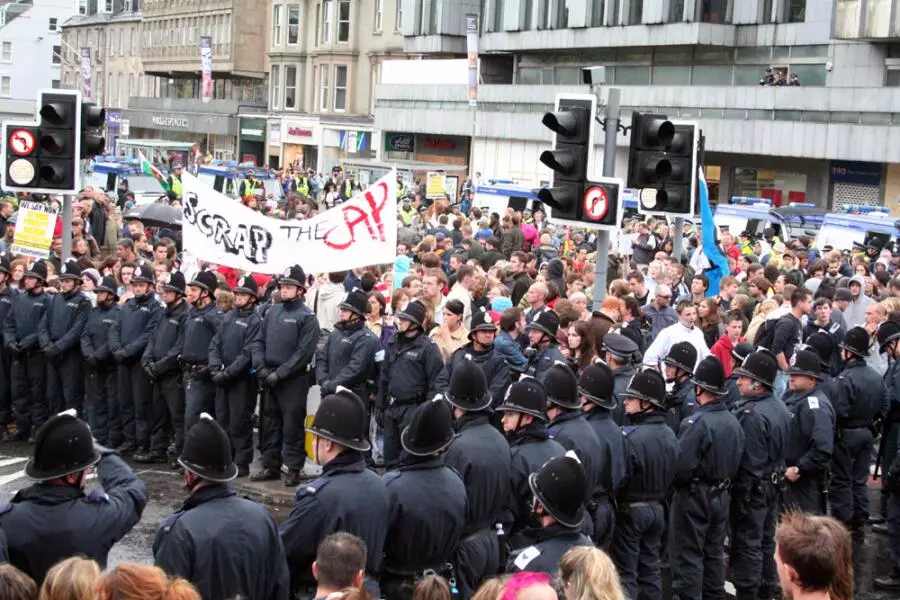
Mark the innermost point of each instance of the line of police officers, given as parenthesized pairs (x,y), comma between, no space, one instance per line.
(599,459)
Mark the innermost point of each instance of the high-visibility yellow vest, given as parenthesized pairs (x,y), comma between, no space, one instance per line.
(176,186)
(250,186)
(302,185)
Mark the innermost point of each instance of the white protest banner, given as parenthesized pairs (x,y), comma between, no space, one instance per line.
(362,231)
(35,223)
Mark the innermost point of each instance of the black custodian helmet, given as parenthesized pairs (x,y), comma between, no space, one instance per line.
(760,366)
(857,342)
(805,362)
(207,451)
(63,445)
(357,301)
(560,486)
(647,385)
(545,321)
(526,396)
(341,418)
(247,285)
(562,386)
(430,429)
(596,384)
(682,355)
(887,333)
(710,375)
(468,387)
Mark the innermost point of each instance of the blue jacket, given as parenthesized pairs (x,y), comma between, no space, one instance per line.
(508,348)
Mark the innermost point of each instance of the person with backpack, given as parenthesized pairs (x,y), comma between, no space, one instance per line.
(781,336)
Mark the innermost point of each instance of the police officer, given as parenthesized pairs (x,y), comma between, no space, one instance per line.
(29,364)
(569,427)
(128,338)
(823,345)
(739,353)
(524,419)
(227,546)
(888,336)
(160,362)
(811,442)
(651,452)
(54,518)
(754,497)
(481,455)
(174,181)
(348,356)
(543,350)
(558,488)
(620,352)
(678,367)
(101,384)
(300,184)
(7,295)
(347,497)
(231,361)
(420,488)
(408,376)
(203,321)
(858,398)
(480,349)
(710,445)
(348,187)
(250,185)
(595,386)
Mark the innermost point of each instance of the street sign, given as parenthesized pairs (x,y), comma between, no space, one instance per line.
(596,203)
(601,204)
(21,171)
(21,142)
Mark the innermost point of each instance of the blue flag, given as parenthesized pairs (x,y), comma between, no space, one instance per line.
(717,260)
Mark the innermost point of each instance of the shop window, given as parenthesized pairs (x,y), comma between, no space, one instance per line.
(293,25)
(711,75)
(343,35)
(323,87)
(340,88)
(290,87)
(763,183)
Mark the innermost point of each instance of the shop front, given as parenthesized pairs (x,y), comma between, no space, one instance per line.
(855,182)
(781,187)
(113,129)
(300,141)
(218,133)
(252,141)
(274,151)
(350,146)
(450,150)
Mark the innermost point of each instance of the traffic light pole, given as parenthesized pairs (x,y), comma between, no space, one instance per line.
(66,228)
(609,170)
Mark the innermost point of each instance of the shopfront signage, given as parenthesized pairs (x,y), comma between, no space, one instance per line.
(399,142)
(299,131)
(434,143)
(855,172)
(171,122)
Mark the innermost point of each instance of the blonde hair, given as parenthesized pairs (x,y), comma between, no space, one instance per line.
(432,587)
(765,307)
(491,588)
(71,579)
(589,574)
(131,581)
(16,585)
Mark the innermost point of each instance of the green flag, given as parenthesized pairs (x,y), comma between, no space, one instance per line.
(149,169)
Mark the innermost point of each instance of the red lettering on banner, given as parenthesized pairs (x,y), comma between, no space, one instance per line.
(354,215)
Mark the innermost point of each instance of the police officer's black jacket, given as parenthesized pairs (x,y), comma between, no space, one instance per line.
(766,424)
(347,497)
(4,553)
(549,545)
(496,371)
(892,391)
(733,396)
(199,329)
(95,337)
(651,454)
(46,523)
(225,545)
(811,442)
(410,369)
(137,322)
(290,331)
(480,454)
(680,404)
(837,333)
(21,325)
(529,448)
(235,342)
(167,339)
(541,362)
(710,443)
(573,432)
(612,460)
(858,396)
(7,296)
(63,321)
(621,379)
(427,516)
(348,358)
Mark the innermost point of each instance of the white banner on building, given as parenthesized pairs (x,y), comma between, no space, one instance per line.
(472,55)
(362,231)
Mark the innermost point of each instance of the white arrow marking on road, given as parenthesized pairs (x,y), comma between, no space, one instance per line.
(5,462)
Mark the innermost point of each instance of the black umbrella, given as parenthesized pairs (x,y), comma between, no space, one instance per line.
(155,214)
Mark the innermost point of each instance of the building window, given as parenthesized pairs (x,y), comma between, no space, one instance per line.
(323,87)
(326,21)
(378,14)
(54,24)
(7,51)
(276,25)
(57,55)
(713,11)
(597,12)
(796,11)
(4,86)
(276,86)
(343,34)
(340,88)
(635,12)
(498,15)
(290,87)
(893,78)
(107,6)
(82,7)
(293,24)
(398,16)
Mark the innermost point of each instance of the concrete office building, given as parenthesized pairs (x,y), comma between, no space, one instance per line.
(30,53)
(325,62)
(834,138)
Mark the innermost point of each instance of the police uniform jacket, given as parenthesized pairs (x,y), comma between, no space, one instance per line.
(233,345)
(680,404)
(767,425)
(480,454)
(347,497)
(858,396)
(651,455)
(612,459)
(837,333)
(621,379)
(137,321)
(290,332)
(21,325)
(47,523)
(543,360)
(496,371)
(710,443)
(892,392)
(225,545)
(95,337)
(348,358)
(529,448)
(811,441)
(410,369)
(7,296)
(63,321)
(550,544)
(199,329)
(733,396)
(573,432)
(167,339)
(427,515)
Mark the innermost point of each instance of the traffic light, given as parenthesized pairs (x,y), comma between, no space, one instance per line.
(572,124)
(662,164)
(92,120)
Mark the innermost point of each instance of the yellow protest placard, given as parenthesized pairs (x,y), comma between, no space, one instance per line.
(35,223)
